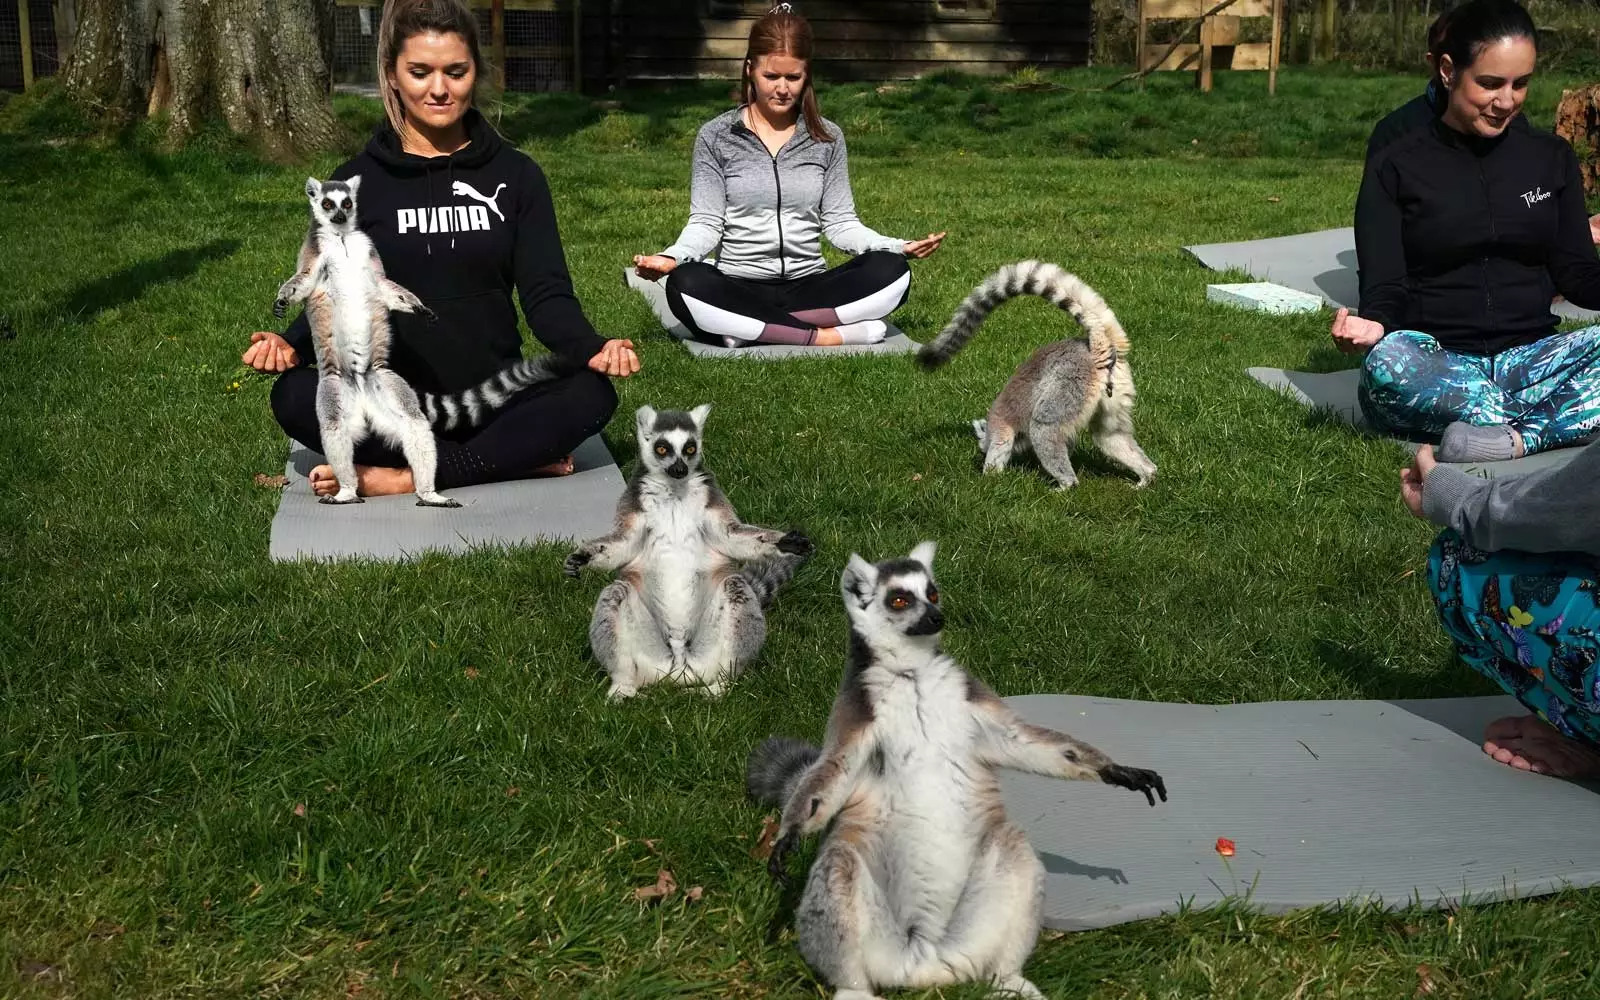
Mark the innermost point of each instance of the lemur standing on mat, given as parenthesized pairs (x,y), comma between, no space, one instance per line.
(1063,388)
(921,880)
(348,299)
(681,609)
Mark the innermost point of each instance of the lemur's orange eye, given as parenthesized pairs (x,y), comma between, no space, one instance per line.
(900,602)
(933,595)
(327,205)
(690,449)
(661,450)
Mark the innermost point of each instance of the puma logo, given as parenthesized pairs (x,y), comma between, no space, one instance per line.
(1536,195)
(462,188)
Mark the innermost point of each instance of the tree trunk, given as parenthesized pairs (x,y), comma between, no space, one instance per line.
(262,66)
(1578,122)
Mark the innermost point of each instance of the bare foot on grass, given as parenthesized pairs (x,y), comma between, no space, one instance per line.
(1528,743)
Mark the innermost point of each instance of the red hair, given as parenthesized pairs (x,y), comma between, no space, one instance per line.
(781,32)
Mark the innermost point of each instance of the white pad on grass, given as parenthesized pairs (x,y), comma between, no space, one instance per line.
(1322,263)
(655,294)
(572,507)
(1264,296)
(1335,393)
(1327,802)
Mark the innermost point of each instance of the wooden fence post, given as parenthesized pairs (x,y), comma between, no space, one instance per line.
(497,42)
(27,45)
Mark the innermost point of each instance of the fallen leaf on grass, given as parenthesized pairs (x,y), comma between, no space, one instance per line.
(271,482)
(104,931)
(300,809)
(513,792)
(665,886)
(472,673)
(39,970)
(694,893)
(1424,980)
(1273,199)
(769,832)
(650,844)
(361,946)
(916,477)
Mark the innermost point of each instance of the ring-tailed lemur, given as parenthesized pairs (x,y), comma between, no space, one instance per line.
(1063,388)
(921,880)
(348,299)
(681,609)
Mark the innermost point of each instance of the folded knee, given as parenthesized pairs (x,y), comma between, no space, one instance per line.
(1394,354)
(693,278)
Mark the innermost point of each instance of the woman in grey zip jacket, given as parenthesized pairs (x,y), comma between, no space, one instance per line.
(770,178)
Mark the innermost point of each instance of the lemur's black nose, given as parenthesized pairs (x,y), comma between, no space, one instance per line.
(677,470)
(338,219)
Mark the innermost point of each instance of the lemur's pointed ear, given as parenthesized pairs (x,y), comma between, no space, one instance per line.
(699,414)
(923,554)
(313,188)
(644,418)
(858,580)
(354,183)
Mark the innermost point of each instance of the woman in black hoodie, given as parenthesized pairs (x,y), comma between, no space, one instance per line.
(1466,227)
(462,219)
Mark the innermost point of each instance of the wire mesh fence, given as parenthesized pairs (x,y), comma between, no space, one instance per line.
(539,44)
(42,43)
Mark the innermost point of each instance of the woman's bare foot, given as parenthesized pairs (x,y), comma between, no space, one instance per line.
(1528,743)
(371,481)
(560,467)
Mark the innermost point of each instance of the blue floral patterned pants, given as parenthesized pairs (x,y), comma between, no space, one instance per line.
(1548,390)
(1529,622)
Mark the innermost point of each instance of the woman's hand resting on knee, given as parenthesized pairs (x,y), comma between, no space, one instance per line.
(616,359)
(1352,334)
(270,353)
(1413,476)
(924,247)
(653,267)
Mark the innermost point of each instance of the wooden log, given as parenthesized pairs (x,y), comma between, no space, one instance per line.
(1578,122)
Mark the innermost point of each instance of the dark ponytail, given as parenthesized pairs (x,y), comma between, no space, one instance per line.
(1474,25)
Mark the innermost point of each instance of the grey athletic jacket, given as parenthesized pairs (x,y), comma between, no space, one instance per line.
(1551,510)
(763,215)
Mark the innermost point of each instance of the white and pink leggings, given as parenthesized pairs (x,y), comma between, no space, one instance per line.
(716,307)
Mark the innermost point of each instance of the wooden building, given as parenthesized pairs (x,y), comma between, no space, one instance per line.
(635,40)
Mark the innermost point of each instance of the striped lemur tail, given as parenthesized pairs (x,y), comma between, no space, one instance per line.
(474,406)
(767,575)
(774,767)
(1030,277)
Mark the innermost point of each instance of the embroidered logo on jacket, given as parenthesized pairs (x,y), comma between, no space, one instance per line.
(452,218)
(1537,194)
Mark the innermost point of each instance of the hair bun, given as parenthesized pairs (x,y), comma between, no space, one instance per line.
(782,8)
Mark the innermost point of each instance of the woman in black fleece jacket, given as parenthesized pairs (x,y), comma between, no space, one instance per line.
(1466,228)
(462,219)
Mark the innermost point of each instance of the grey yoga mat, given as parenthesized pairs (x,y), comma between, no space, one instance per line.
(655,294)
(1322,263)
(574,507)
(1335,393)
(1326,802)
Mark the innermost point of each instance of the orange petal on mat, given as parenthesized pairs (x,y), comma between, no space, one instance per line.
(1225,847)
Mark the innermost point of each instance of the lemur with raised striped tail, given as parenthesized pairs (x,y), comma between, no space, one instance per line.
(921,881)
(687,604)
(348,299)
(1064,388)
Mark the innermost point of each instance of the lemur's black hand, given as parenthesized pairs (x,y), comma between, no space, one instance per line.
(1137,779)
(795,543)
(778,860)
(280,308)
(575,562)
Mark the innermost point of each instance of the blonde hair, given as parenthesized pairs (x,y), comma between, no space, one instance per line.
(403,19)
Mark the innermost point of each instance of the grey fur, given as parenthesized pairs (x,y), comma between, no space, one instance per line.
(1064,388)
(774,767)
(681,609)
(920,881)
(348,299)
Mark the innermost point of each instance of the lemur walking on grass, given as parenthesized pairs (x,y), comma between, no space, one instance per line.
(682,609)
(1064,388)
(921,880)
(348,299)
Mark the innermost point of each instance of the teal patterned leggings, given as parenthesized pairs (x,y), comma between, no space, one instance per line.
(1529,622)
(1548,390)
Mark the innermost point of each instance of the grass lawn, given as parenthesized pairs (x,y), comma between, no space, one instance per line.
(222,777)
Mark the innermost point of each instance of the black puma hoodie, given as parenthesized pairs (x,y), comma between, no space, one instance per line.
(462,231)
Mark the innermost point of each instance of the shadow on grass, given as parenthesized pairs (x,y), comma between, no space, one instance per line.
(131,283)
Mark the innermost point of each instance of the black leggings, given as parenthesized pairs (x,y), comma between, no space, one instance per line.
(717,308)
(540,425)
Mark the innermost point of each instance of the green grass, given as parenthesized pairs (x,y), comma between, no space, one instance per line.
(475,816)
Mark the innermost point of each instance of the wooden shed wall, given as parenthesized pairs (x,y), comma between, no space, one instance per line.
(871,39)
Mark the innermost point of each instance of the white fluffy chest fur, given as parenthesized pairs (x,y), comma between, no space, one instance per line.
(348,279)
(676,560)
(931,796)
